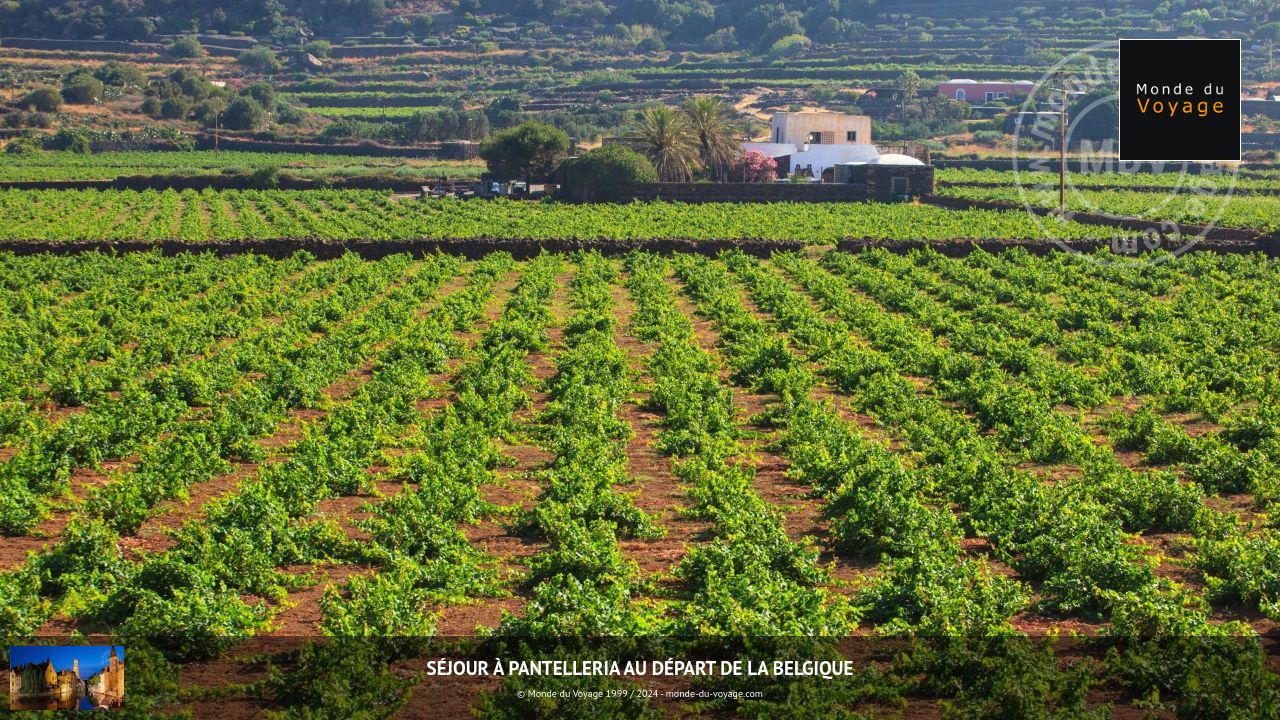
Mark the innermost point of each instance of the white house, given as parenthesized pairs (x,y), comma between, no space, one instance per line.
(816,141)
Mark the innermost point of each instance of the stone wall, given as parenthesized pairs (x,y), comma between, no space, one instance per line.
(878,181)
(454,150)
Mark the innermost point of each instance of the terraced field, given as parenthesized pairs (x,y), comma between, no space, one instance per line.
(206,456)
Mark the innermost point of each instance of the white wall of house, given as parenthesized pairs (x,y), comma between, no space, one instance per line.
(817,157)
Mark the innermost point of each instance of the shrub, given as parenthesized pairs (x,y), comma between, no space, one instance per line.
(175,108)
(120,74)
(265,177)
(259,58)
(319,48)
(72,140)
(43,99)
(244,113)
(22,118)
(208,111)
(788,45)
(604,173)
(262,92)
(756,167)
(290,115)
(82,90)
(530,151)
(186,47)
(23,146)
(651,44)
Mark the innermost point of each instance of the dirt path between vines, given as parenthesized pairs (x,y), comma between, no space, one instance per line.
(657,489)
(303,618)
(519,489)
(804,513)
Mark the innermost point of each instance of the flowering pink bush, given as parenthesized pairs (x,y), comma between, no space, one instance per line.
(757,167)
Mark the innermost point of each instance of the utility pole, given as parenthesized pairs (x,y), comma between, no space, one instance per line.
(1062,157)
(1062,143)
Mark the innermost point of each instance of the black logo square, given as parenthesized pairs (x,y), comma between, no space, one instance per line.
(1180,100)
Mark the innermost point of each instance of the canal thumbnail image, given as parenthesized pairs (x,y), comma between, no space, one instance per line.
(66,677)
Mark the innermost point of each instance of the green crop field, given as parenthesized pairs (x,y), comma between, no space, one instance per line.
(53,166)
(202,453)
(1213,204)
(59,215)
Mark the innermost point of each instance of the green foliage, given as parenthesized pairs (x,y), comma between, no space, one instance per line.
(383,605)
(934,411)
(186,47)
(319,48)
(605,173)
(183,611)
(789,46)
(244,113)
(43,99)
(1244,569)
(120,74)
(259,58)
(71,140)
(342,679)
(529,151)
(82,90)
(174,108)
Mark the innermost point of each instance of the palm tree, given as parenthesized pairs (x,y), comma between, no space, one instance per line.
(664,136)
(908,86)
(714,132)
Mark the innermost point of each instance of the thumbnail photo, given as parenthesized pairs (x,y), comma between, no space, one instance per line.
(66,677)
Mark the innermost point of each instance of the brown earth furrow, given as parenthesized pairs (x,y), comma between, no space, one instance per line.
(657,489)
(1027,621)
(804,517)
(129,346)
(1173,551)
(14,549)
(518,489)
(153,535)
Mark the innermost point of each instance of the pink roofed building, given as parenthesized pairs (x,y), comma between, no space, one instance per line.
(975,91)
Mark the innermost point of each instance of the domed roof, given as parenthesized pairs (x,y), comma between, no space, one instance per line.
(895,159)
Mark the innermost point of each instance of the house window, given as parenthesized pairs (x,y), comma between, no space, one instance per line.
(960,94)
(900,186)
(851,135)
(815,138)
(990,96)
(777,135)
